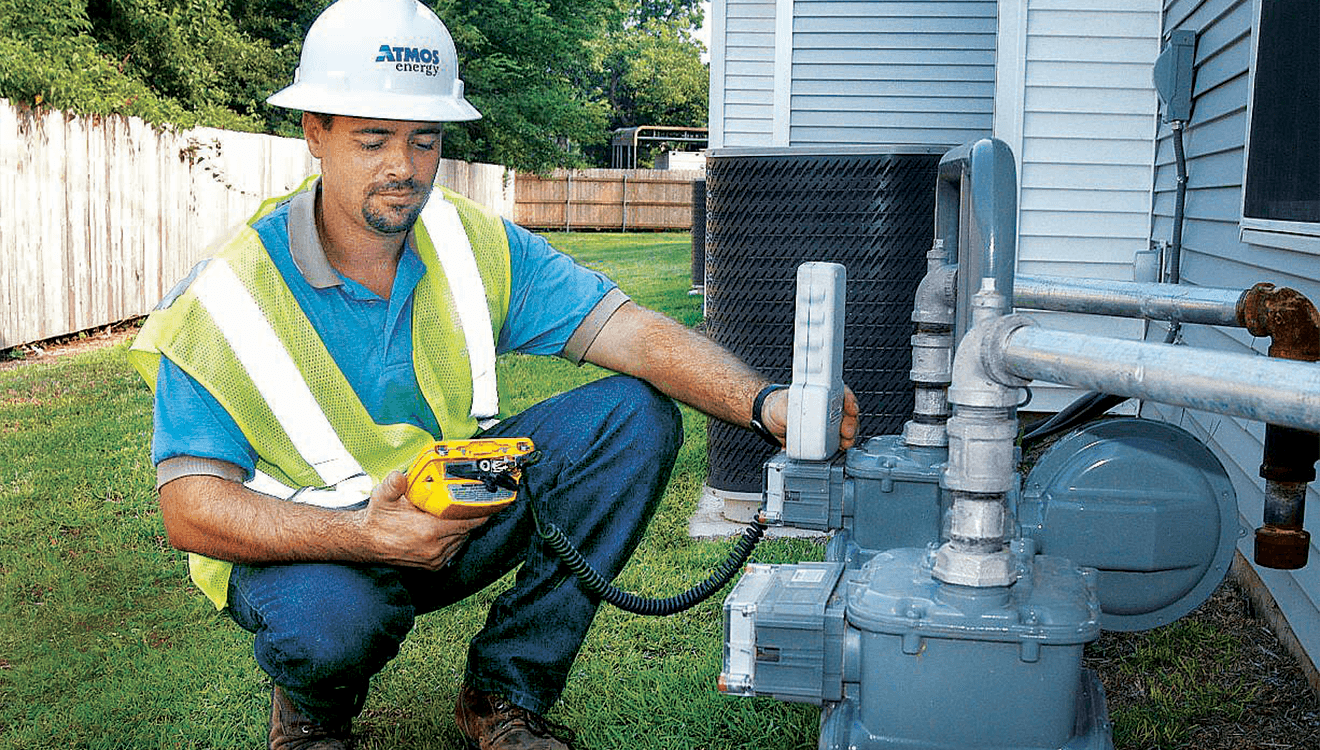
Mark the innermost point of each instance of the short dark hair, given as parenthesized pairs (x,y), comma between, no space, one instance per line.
(327,121)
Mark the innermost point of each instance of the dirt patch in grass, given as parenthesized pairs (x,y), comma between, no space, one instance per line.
(75,343)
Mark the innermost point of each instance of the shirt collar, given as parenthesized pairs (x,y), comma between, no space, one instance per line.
(305,242)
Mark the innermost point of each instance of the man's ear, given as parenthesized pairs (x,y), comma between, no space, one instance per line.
(314,133)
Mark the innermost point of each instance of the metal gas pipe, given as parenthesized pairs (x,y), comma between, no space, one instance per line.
(1001,351)
(975,228)
(932,351)
(1131,299)
(1284,315)
(1293,325)
(978,181)
(980,471)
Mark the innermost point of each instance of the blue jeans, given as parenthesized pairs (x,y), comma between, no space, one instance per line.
(323,629)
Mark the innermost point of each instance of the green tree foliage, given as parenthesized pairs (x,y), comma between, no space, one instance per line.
(516,57)
(281,24)
(192,52)
(551,77)
(653,75)
(167,61)
(649,71)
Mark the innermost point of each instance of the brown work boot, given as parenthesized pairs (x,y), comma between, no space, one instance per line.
(489,722)
(291,730)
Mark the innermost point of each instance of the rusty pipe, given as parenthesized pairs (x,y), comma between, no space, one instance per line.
(1287,317)
(1288,464)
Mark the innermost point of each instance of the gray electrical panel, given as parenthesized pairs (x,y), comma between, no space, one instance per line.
(1174,70)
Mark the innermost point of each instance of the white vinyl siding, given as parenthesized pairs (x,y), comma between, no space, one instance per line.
(821,73)
(742,70)
(1076,105)
(892,72)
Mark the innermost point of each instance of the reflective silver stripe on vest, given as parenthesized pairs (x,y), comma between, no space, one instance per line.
(273,372)
(347,493)
(443,224)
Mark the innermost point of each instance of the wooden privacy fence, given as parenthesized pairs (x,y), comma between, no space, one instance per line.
(607,199)
(99,217)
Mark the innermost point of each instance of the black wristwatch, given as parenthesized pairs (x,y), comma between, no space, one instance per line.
(758,422)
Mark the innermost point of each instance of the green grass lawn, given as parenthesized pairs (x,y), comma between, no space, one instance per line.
(105,644)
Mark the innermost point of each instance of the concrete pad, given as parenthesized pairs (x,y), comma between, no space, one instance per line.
(709,522)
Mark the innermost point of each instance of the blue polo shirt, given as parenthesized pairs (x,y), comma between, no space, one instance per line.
(370,338)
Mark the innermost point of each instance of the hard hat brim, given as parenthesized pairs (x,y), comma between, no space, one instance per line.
(376,106)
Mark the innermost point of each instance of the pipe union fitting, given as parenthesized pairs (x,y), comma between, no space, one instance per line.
(981,455)
(976,569)
(930,402)
(920,435)
(975,523)
(932,358)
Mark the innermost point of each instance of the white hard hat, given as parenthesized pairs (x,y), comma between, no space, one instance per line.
(380,59)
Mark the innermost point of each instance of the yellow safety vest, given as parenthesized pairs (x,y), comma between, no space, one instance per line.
(240,333)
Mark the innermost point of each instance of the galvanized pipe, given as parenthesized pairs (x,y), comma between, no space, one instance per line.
(1131,299)
(1274,391)
(932,351)
(1285,316)
(979,472)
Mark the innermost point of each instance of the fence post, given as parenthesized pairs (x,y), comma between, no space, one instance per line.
(568,198)
(625,203)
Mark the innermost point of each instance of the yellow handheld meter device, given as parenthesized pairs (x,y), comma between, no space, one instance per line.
(458,479)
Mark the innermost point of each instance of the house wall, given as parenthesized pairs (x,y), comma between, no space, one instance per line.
(1219,251)
(742,72)
(1073,99)
(1075,103)
(822,73)
(890,72)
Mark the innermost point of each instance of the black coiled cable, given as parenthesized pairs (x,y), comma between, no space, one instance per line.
(563,549)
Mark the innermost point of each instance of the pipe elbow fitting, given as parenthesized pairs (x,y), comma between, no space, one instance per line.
(1292,323)
(935,297)
(1287,317)
(980,376)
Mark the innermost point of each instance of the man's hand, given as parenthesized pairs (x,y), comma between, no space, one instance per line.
(408,536)
(775,414)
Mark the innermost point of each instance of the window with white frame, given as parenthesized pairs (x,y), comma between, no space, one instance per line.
(1283,147)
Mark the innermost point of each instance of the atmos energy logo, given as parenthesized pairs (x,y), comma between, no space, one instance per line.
(411,59)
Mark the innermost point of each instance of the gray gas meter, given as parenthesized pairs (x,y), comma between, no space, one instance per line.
(956,598)
(1145,504)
